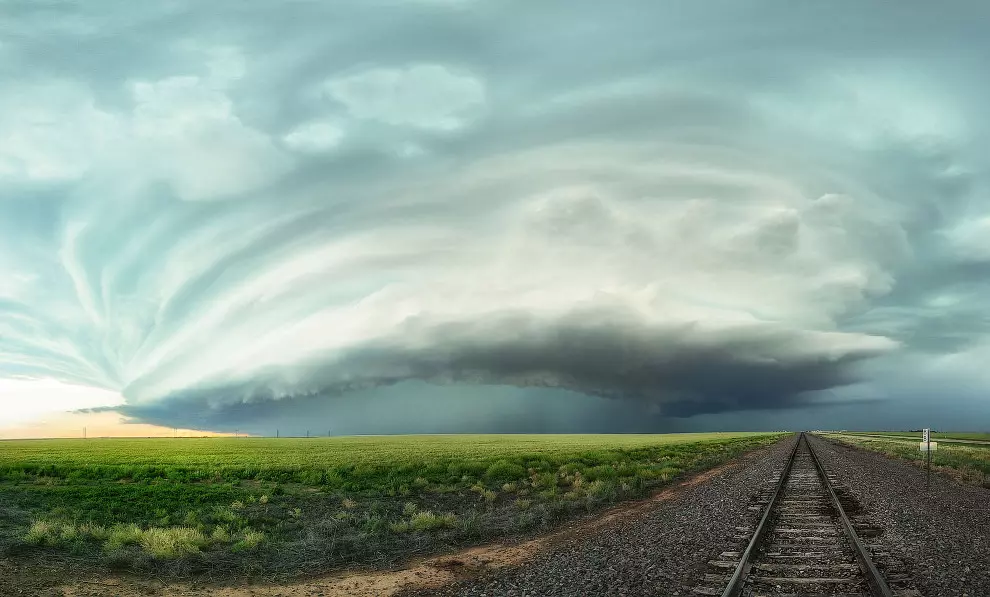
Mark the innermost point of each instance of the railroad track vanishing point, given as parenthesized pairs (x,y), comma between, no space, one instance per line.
(804,544)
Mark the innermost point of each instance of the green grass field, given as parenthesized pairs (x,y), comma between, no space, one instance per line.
(936,435)
(286,506)
(969,463)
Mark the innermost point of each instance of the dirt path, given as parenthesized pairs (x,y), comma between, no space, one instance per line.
(425,573)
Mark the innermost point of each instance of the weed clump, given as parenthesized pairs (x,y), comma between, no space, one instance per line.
(428,521)
(503,471)
(122,535)
(172,542)
(249,540)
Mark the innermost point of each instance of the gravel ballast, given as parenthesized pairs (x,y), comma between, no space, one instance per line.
(942,535)
(663,552)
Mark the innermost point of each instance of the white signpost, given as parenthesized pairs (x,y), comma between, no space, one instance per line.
(927,445)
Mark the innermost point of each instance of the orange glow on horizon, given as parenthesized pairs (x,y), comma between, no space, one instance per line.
(102,424)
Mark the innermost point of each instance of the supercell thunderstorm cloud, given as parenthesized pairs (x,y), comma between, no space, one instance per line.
(496,216)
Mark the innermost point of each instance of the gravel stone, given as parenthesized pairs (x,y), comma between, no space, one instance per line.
(664,552)
(942,534)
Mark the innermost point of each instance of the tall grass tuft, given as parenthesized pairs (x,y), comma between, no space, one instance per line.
(172,542)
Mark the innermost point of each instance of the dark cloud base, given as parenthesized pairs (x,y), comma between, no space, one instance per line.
(418,407)
(657,372)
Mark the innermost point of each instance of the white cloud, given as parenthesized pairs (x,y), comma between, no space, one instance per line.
(429,96)
(188,130)
(52,132)
(182,129)
(868,105)
(314,137)
(971,239)
(226,65)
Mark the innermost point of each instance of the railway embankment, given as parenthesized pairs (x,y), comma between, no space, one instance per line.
(942,532)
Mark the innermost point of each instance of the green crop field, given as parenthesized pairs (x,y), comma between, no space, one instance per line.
(227,506)
(968,463)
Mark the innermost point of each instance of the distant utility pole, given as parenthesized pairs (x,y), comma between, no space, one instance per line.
(328,433)
(84,433)
(307,433)
(276,433)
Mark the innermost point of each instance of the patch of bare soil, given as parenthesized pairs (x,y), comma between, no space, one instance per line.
(425,573)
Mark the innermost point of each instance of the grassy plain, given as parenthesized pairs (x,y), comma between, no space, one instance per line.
(969,463)
(936,435)
(225,506)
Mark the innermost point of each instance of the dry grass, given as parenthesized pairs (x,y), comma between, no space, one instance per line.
(172,542)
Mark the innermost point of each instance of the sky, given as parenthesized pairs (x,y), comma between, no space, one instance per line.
(377,216)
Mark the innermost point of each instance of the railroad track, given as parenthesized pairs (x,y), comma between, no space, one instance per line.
(804,544)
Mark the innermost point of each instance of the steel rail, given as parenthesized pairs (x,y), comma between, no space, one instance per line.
(734,588)
(878,586)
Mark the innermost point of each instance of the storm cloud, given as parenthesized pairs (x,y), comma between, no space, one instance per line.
(682,370)
(209,214)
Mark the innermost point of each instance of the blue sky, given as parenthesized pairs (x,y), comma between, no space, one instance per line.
(473,215)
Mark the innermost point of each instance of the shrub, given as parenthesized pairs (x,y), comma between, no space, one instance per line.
(373,523)
(669,472)
(312,477)
(545,480)
(428,521)
(526,520)
(172,542)
(249,540)
(221,534)
(471,524)
(504,471)
(600,491)
(121,535)
(67,532)
(40,533)
(94,531)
